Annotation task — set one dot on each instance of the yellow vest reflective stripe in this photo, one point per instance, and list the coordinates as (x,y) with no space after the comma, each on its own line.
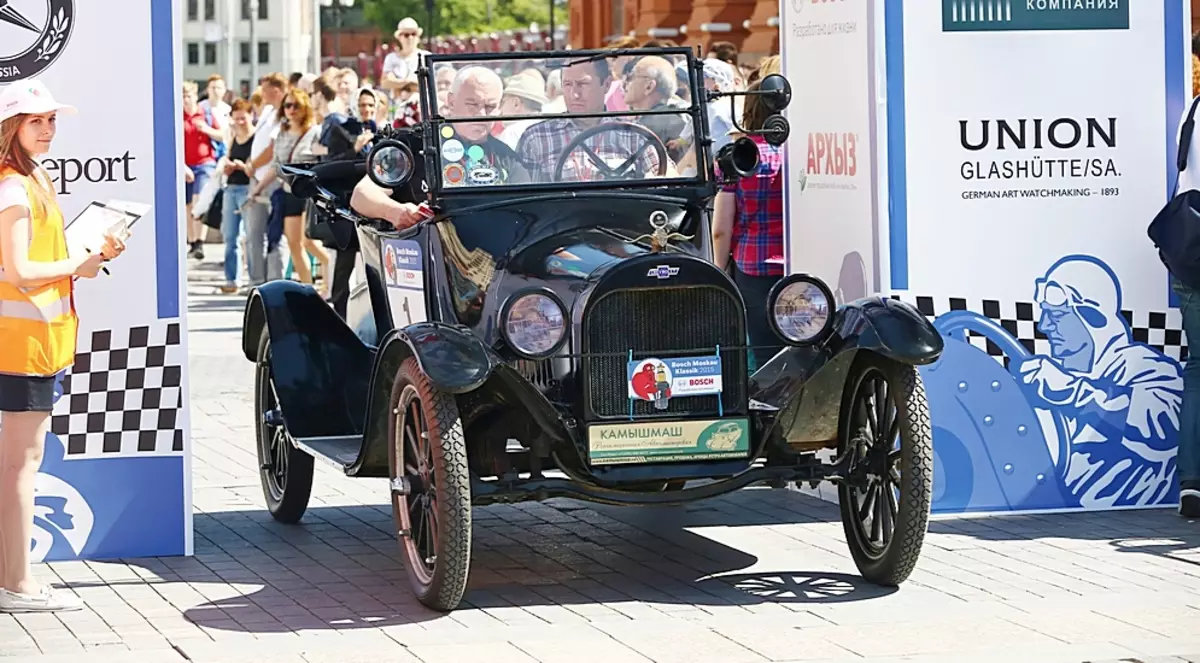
(38,326)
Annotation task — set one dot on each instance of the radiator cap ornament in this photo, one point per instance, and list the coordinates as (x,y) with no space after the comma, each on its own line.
(661,236)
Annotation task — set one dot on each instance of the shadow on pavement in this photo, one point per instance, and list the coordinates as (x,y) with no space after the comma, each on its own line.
(340,568)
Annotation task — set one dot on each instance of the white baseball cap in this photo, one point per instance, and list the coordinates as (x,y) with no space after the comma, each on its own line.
(29,97)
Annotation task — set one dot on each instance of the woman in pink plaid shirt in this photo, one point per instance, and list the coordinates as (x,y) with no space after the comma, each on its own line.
(748,226)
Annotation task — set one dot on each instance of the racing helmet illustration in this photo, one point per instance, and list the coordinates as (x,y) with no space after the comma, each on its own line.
(995,447)
(1079,310)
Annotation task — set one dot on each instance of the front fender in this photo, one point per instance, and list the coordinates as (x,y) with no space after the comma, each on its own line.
(320,368)
(452,357)
(893,328)
(801,387)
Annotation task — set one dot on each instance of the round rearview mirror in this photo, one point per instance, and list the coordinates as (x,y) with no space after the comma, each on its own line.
(776,130)
(738,158)
(390,164)
(777,92)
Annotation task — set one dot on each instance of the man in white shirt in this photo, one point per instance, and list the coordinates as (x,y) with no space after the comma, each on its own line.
(257,212)
(215,102)
(400,66)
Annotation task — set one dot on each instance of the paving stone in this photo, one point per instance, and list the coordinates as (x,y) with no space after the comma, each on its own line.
(759,575)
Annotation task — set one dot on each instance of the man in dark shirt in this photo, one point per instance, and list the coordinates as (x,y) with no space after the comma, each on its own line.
(470,155)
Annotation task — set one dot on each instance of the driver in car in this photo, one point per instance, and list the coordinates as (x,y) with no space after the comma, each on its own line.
(584,85)
(470,155)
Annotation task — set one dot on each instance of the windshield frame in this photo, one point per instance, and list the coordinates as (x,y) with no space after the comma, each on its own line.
(432,121)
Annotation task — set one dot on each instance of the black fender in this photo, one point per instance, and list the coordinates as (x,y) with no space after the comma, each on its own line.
(453,358)
(320,367)
(798,393)
(890,327)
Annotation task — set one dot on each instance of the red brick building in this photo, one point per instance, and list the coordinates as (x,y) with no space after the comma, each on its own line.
(748,24)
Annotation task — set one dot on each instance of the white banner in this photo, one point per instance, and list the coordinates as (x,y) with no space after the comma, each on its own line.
(1028,143)
(832,222)
(116,479)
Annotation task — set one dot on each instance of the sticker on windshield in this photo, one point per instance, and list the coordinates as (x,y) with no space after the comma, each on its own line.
(453,174)
(452,150)
(475,153)
(447,132)
(484,175)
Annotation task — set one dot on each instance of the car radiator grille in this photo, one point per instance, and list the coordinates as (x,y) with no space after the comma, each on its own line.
(663,322)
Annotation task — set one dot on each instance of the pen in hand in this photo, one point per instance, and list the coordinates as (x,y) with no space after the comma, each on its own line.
(102,267)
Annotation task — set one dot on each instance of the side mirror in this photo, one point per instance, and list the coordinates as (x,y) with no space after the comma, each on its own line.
(776,130)
(304,187)
(776,92)
(738,158)
(390,164)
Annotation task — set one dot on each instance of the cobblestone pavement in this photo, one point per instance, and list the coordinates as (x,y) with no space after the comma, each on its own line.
(763,575)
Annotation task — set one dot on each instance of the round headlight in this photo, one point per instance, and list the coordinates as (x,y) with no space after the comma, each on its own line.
(801,309)
(535,324)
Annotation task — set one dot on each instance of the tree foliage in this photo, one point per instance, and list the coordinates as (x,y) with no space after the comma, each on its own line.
(453,17)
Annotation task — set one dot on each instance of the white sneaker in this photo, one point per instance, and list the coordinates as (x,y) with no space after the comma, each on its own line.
(47,600)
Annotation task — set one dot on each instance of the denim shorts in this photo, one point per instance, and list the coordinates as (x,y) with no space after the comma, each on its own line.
(202,174)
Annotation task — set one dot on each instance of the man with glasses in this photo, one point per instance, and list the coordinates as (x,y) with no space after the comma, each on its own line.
(400,66)
(469,155)
(584,87)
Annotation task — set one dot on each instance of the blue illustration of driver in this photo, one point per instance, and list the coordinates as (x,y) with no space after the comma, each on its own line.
(1119,399)
(1092,424)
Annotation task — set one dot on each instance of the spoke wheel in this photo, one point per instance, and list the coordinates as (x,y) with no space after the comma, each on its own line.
(886,496)
(430,487)
(285,471)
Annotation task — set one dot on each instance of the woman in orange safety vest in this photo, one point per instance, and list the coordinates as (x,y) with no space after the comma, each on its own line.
(37,327)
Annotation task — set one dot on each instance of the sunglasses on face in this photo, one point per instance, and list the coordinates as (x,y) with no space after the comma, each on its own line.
(289,105)
(408,34)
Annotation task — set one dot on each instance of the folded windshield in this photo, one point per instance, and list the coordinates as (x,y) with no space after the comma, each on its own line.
(620,118)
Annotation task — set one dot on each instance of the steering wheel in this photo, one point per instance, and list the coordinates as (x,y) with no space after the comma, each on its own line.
(649,139)
(957,324)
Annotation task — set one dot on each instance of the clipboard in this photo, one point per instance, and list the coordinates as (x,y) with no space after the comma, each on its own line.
(85,233)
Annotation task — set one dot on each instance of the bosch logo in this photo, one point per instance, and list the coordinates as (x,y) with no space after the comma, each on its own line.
(662,272)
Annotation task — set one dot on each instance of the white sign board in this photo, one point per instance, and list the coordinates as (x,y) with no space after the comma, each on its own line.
(1026,146)
(115,482)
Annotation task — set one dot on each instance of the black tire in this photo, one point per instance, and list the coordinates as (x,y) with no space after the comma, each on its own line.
(285,471)
(418,407)
(888,554)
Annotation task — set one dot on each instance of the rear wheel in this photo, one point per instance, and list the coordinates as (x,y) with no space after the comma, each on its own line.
(431,488)
(285,471)
(885,498)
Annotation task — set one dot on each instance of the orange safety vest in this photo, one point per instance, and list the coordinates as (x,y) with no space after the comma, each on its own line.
(38,325)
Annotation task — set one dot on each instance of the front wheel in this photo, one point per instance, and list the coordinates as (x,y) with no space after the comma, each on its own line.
(286,472)
(431,488)
(886,496)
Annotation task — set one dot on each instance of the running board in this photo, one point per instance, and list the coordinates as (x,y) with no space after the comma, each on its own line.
(340,451)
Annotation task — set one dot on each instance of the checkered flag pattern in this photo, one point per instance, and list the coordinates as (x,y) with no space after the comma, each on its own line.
(123,396)
(1160,330)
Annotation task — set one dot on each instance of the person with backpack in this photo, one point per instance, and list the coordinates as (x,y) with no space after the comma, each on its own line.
(199,160)
(1174,233)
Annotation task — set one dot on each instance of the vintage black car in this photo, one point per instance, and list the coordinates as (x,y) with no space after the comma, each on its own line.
(566,333)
